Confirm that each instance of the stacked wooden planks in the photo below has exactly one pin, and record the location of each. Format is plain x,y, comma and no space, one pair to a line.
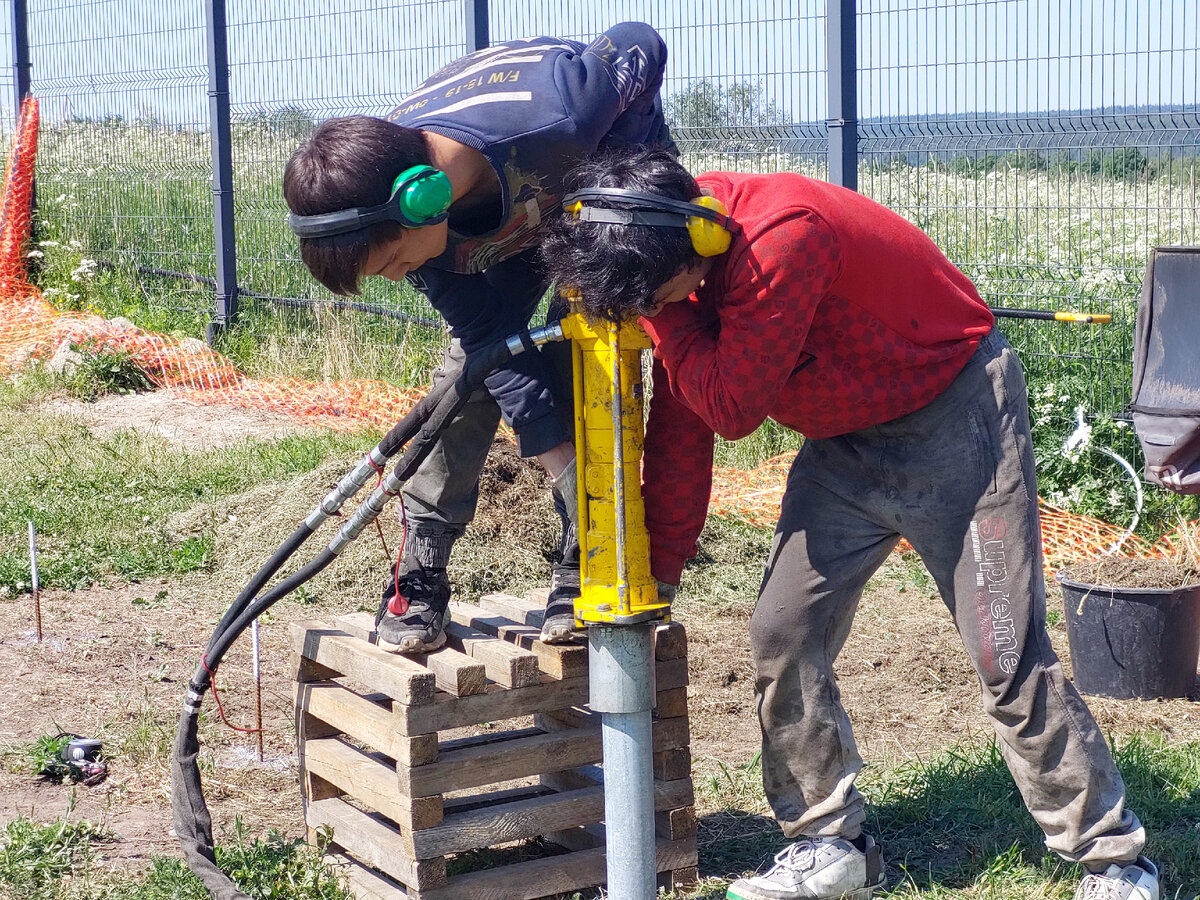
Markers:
411,763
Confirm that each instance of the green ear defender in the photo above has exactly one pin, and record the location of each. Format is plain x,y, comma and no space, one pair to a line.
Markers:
705,218
420,196
424,194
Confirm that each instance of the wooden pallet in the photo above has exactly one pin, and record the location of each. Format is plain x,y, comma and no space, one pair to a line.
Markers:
415,762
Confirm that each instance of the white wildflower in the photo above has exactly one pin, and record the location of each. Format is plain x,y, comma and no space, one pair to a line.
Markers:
85,270
34,254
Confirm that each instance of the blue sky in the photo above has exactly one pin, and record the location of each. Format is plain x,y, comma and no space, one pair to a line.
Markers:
147,57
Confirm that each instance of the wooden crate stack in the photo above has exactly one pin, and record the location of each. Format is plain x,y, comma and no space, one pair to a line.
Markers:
384,763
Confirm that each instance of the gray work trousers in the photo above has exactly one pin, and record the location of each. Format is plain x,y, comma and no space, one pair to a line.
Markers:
441,497
956,478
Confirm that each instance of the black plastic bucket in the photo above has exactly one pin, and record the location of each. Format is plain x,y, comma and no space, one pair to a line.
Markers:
1129,643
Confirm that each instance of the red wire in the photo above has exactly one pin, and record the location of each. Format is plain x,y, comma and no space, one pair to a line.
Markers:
403,541
217,697
400,556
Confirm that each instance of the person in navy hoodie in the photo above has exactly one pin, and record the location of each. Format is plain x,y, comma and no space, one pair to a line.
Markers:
450,192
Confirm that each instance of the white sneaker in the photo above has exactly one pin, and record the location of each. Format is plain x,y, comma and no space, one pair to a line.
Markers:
1137,880
828,868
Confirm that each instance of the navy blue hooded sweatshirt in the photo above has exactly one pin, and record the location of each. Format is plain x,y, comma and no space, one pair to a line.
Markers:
534,108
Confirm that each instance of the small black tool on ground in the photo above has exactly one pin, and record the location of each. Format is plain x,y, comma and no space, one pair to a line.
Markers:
79,758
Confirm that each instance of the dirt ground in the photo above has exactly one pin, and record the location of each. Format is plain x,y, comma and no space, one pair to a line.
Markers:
114,661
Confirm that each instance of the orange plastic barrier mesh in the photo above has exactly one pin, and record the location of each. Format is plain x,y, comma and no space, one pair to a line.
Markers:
32,329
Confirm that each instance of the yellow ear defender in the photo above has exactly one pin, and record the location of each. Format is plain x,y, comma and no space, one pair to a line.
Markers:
709,237
705,218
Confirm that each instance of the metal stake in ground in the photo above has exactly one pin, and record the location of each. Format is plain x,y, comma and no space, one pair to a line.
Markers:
33,580
258,729
619,600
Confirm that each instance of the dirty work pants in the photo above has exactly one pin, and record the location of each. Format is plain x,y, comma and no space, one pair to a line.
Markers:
956,478
441,497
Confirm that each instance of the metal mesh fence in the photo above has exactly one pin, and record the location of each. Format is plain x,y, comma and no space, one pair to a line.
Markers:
1045,145
7,90
293,64
124,168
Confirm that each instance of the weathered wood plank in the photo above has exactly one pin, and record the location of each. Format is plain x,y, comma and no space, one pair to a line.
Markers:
372,782
375,843
520,819
364,883
344,712
557,660
505,663
553,875
498,761
523,757
495,705
521,610
673,764
671,704
668,733
670,641
400,678
676,823
455,672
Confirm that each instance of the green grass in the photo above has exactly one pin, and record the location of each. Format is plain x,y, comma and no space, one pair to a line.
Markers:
36,859
57,861
955,826
100,506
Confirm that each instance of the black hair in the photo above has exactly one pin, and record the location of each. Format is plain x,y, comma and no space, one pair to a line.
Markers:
348,161
618,268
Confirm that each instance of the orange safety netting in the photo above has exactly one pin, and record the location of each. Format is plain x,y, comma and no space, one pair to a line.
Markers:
754,497
33,329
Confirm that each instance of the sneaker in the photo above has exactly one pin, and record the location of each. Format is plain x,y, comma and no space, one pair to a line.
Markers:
417,626
1137,880
828,868
558,623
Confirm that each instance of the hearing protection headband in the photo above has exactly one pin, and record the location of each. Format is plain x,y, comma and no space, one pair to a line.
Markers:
705,218
420,196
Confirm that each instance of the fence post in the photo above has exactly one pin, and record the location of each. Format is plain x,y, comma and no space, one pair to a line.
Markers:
225,302
21,64
842,124
477,24
22,78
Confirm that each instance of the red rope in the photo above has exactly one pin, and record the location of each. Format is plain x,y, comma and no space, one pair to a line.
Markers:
217,697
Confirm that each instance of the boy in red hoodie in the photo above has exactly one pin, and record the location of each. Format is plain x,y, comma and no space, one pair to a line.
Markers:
812,305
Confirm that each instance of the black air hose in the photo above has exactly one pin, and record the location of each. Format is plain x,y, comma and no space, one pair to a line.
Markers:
425,422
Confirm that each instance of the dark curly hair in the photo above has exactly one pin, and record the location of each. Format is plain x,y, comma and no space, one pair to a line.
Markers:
618,268
349,161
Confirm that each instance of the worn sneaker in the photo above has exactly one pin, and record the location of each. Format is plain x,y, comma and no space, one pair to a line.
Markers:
558,623
1137,880
413,619
828,868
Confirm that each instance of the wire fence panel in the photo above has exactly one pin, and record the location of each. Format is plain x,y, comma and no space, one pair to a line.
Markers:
745,83
293,64
7,86
1046,146
124,166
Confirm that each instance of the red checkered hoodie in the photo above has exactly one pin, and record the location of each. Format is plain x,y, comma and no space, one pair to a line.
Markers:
829,313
